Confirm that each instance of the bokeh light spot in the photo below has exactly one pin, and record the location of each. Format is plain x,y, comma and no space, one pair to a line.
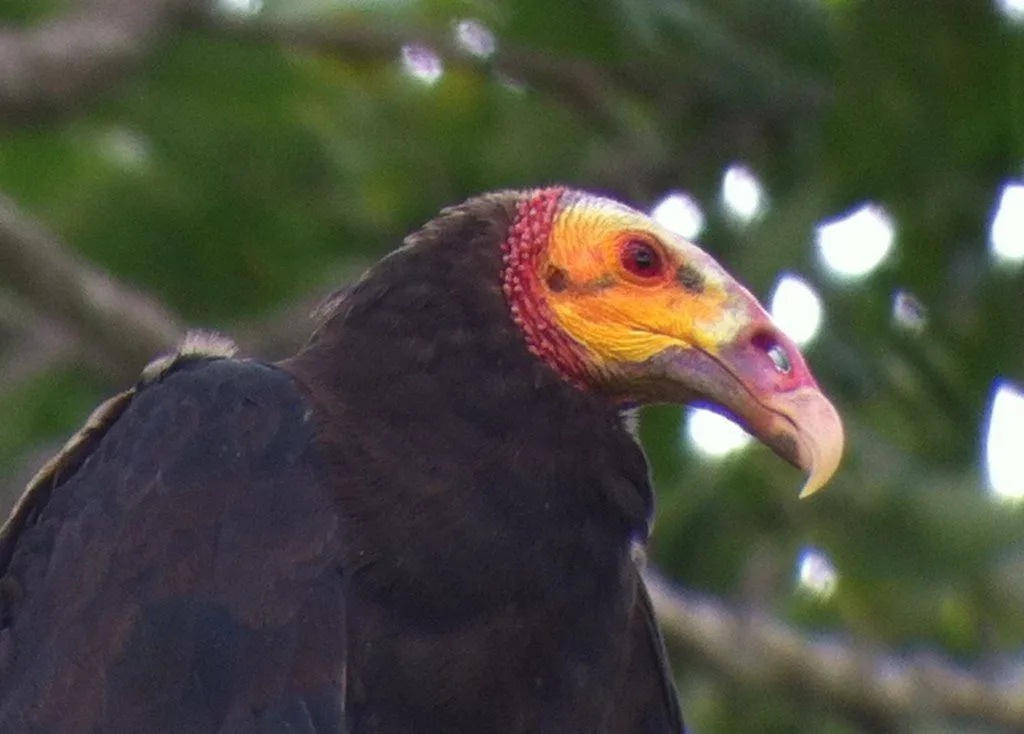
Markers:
815,573
241,7
1006,235
125,148
475,38
908,313
1012,9
796,309
422,63
680,213
853,245
742,194
1004,442
714,435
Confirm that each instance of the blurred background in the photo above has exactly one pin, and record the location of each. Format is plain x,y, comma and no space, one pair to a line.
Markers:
859,164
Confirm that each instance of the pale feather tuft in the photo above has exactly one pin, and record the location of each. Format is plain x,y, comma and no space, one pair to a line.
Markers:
194,345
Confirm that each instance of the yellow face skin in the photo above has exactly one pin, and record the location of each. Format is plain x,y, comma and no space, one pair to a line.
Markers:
683,330
620,317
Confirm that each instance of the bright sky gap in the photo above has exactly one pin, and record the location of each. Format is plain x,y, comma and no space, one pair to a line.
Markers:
742,194
680,213
1006,235
855,244
241,7
815,573
1004,438
1012,9
796,309
713,435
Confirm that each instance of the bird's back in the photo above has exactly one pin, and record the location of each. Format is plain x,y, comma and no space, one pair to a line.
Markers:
181,578
197,570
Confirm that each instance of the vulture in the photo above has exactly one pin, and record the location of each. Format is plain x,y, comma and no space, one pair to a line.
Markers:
423,522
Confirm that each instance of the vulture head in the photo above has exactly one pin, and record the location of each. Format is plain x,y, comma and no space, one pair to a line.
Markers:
620,306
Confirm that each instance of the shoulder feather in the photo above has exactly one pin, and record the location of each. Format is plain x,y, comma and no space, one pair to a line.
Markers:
195,345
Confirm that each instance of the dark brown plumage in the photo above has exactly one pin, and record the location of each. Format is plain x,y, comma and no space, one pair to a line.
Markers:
414,525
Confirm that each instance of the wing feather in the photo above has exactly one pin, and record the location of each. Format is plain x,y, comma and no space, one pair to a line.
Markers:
646,700
174,567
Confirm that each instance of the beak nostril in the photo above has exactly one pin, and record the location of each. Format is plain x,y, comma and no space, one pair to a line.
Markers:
780,359
766,343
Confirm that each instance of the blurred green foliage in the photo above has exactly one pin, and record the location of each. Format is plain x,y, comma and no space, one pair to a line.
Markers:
227,176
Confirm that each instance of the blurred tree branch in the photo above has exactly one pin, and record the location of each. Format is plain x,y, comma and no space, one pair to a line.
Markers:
279,334
38,345
756,650
54,69
50,70
587,89
115,323
77,310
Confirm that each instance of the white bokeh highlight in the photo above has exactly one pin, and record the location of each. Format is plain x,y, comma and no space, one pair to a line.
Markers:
475,38
854,245
1006,234
908,313
1004,442
240,7
796,308
125,148
713,435
815,573
422,63
680,213
742,194
1012,9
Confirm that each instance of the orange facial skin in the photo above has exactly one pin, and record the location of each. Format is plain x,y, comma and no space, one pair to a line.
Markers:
643,315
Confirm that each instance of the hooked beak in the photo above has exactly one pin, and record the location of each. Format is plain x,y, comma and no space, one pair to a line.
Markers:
803,428
760,380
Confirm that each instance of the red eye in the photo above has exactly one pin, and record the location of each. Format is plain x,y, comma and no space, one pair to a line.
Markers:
641,258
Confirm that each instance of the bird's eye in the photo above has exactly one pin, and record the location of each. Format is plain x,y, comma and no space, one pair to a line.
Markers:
641,258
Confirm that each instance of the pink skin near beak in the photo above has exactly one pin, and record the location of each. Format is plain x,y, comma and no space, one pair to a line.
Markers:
783,405
760,380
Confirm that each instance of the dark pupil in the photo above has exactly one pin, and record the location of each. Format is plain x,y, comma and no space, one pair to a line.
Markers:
643,258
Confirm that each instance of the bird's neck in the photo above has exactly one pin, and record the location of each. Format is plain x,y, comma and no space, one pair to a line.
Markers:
467,444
